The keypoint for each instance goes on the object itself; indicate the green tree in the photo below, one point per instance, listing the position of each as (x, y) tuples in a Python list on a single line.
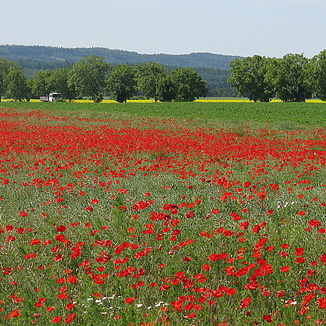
[(88, 77), (41, 85), (317, 75), (16, 85), (122, 83), (4, 69), (166, 89), (189, 84), (248, 77), (289, 77), (59, 82), (148, 76)]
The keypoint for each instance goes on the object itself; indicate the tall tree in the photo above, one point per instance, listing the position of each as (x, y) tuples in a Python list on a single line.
[(16, 85), (148, 76), (59, 83), (248, 77), (189, 84), (42, 83), (88, 77), (122, 83), (317, 75), (166, 89), (4, 69), (289, 77)]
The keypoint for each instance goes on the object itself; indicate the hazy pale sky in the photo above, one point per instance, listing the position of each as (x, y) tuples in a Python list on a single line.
[(269, 28)]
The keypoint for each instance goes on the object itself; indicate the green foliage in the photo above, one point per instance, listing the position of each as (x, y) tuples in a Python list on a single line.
[(289, 78), (4, 69), (217, 82), (183, 84), (58, 57), (88, 77), (166, 89), (317, 74), (31, 66), (122, 83), (248, 76), (42, 83), (148, 77), (59, 81), (49, 81), (189, 84), (16, 85), (214, 68)]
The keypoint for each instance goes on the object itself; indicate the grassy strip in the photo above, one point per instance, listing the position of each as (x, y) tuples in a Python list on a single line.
[(284, 116)]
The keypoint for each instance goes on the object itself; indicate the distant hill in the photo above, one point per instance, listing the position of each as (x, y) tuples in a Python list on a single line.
[(214, 68), (68, 56)]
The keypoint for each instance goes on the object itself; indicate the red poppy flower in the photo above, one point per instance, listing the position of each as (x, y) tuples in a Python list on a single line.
[(322, 303), (285, 269), (15, 313), (70, 318), (315, 223), (130, 300), (268, 318), (192, 315), (35, 242), (214, 257), (61, 228), (57, 319), (245, 303), (206, 267)]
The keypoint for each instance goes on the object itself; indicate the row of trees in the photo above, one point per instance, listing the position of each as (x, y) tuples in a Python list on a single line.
[(291, 78), (92, 77)]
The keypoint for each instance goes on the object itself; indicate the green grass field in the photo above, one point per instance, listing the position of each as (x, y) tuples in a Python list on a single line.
[(282, 115)]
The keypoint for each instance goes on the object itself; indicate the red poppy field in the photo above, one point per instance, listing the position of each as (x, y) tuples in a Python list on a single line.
[(158, 221)]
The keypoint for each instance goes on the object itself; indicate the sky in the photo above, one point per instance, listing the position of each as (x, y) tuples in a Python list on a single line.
[(270, 28)]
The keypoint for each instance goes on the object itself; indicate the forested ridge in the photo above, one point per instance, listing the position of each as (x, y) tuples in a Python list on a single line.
[(62, 56)]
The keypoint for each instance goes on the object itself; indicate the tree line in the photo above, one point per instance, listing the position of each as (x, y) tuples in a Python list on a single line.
[(292, 78), (92, 77)]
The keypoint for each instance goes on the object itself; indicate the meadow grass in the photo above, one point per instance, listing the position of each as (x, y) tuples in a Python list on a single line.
[(162, 214), (286, 116)]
